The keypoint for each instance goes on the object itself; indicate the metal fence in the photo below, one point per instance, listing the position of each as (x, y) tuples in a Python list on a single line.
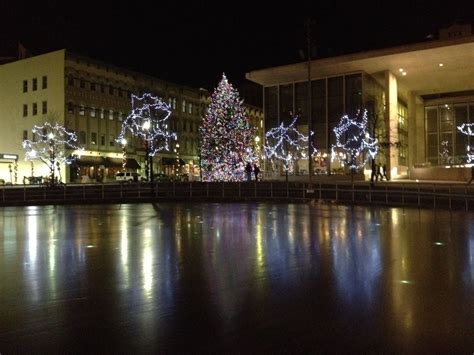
[(437, 195)]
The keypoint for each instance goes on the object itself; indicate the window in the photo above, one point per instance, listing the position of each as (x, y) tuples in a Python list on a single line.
[(102, 88), (45, 107), (92, 113), (82, 137), (102, 139), (174, 103), (120, 93), (190, 108), (93, 138), (82, 84), (25, 110), (111, 115), (184, 106), (33, 137), (92, 86), (102, 113), (35, 84), (70, 107), (70, 80), (82, 110), (120, 116), (44, 84), (112, 140), (25, 85), (35, 109), (111, 90), (25, 135)]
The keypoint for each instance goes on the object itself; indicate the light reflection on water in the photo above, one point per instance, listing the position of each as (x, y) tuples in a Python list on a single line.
[(171, 268)]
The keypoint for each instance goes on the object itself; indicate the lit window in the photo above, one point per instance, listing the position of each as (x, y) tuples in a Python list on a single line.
[(102, 113), (111, 115), (82, 110), (92, 113), (190, 108)]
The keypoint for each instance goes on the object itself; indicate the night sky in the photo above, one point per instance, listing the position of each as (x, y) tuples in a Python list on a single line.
[(194, 43)]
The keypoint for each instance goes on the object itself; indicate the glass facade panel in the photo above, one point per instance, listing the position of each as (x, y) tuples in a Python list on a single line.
[(318, 109), (301, 102), (461, 140), (335, 105), (286, 103), (402, 133), (353, 95), (271, 106)]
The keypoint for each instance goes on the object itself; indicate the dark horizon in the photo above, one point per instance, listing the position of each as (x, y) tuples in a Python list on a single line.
[(193, 44)]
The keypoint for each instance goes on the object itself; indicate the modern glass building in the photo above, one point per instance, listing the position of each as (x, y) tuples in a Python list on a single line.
[(415, 96)]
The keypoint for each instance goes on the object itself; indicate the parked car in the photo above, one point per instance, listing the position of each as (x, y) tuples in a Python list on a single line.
[(127, 176)]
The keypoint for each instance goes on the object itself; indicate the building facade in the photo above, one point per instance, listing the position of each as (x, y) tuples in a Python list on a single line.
[(415, 96), (92, 98)]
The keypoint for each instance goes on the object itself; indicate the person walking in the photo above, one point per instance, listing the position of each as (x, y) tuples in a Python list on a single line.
[(256, 171), (374, 171), (248, 171), (378, 173), (384, 169)]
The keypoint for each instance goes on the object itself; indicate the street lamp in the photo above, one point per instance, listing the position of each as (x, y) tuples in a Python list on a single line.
[(52, 157), (148, 158)]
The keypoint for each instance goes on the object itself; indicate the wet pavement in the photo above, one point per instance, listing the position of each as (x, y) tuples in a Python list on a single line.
[(226, 278)]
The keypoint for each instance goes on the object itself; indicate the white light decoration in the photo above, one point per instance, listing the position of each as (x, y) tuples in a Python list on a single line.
[(148, 121), (467, 129), (51, 146), (287, 144), (354, 145)]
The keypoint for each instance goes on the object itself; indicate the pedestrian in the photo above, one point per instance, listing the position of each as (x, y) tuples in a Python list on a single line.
[(256, 171), (248, 171), (472, 174), (374, 171), (378, 173), (384, 169)]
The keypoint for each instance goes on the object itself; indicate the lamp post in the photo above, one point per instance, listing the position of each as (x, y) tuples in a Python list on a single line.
[(148, 166), (124, 154), (176, 150), (52, 157)]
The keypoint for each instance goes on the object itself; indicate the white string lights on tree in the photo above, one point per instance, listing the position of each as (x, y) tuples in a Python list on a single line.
[(148, 121), (354, 145), (287, 144), (467, 129), (51, 146)]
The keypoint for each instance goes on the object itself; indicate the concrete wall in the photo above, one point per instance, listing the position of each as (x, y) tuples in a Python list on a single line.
[(440, 173), (12, 99)]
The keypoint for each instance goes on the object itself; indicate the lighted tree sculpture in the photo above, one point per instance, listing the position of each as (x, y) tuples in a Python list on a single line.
[(353, 145), (227, 139), (149, 122), (467, 129), (287, 145), (52, 146)]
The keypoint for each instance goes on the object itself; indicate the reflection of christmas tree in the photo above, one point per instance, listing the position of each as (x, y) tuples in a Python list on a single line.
[(51, 146), (226, 136), (287, 145), (353, 142)]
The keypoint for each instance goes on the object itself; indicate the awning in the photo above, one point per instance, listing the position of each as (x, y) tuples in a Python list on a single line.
[(171, 161), (89, 160), (118, 163)]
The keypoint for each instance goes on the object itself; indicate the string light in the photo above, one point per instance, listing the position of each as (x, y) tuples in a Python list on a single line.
[(148, 121), (226, 136), (353, 141), (50, 146), (287, 144), (466, 128)]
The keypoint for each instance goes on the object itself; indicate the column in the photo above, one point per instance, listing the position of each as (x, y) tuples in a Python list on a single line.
[(391, 122)]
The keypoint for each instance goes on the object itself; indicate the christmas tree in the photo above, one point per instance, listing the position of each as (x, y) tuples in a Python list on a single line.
[(226, 136)]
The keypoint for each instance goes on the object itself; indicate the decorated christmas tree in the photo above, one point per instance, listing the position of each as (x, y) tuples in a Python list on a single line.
[(226, 136)]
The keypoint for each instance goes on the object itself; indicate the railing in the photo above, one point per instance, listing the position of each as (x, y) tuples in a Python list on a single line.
[(437, 195)]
